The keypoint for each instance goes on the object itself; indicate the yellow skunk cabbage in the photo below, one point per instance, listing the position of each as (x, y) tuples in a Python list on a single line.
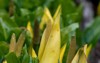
[(50, 43)]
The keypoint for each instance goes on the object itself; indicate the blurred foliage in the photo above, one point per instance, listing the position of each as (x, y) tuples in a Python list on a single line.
[(91, 34), (3, 49), (7, 26)]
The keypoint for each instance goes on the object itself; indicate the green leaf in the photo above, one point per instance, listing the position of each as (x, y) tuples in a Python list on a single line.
[(21, 21), (66, 34), (35, 60), (67, 48), (4, 48), (8, 27), (24, 12), (65, 31), (26, 59), (79, 36), (68, 6), (4, 4), (38, 13), (31, 4), (29, 59), (3, 33), (92, 33), (70, 12), (80, 57), (3, 13), (12, 58)]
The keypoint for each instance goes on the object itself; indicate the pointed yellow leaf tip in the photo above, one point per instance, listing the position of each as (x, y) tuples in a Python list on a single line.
[(47, 12), (80, 57), (29, 28), (57, 12), (85, 48), (12, 43), (33, 53), (62, 51), (51, 52), (88, 50), (46, 17), (46, 33)]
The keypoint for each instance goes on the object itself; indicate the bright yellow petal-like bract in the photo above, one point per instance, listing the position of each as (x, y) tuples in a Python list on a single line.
[(80, 57), (52, 49), (33, 53), (46, 17), (88, 50), (85, 48), (57, 12), (29, 28), (62, 51), (46, 33)]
